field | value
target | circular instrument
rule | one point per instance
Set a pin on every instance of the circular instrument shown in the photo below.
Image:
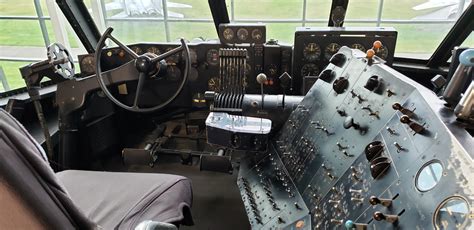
(212, 57)
(330, 50)
(242, 34)
(144, 65)
(257, 34)
(309, 69)
(228, 34)
(381, 52)
(154, 50)
(359, 47)
(62, 60)
(88, 64)
(173, 59)
(311, 52)
(213, 84)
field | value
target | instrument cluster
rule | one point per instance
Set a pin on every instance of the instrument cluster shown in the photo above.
(242, 33)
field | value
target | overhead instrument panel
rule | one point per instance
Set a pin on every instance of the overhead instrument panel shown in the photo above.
(367, 148)
(242, 33)
(314, 47)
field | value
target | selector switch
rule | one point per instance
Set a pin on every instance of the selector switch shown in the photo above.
(378, 166)
(417, 128)
(340, 85)
(338, 59)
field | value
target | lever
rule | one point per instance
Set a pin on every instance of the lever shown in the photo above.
(373, 200)
(417, 128)
(397, 106)
(261, 78)
(379, 216)
(349, 224)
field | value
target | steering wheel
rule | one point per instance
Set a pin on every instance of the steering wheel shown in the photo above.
(146, 65)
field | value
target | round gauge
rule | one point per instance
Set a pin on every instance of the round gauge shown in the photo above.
(154, 50)
(272, 69)
(192, 55)
(382, 52)
(173, 73)
(331, 49)
(173, 58)
(429, 176)
(88, 64)
(137, 50)
(193, 74)
(213, 84)
(311, 52)
(228, 34)
(248, 69)
(257, 34)
(309, 69)
(242, 34)
(212, 57)
(452, 213)
(359, 47)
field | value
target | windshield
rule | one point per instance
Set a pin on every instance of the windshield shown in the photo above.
(27, 26)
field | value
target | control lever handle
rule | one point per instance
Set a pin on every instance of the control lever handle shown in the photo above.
(261, 79)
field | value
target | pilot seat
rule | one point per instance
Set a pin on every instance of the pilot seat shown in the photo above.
(34, 197)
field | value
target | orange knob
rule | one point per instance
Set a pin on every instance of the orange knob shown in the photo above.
(377, 44)
(370, 53)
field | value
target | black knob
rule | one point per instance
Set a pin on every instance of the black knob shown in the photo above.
(397, 106)
(327, 75)
(373, 200)
(349, 122)
(373, 150)
(379, 216)
(378, 166)
(372, 83)
(338, 59)
(340, 85)
(417, 128)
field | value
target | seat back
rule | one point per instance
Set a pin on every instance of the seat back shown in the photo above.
(29, 187)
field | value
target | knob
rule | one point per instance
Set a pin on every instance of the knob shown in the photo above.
(349, 122)
(341, 112)
(372, 83)
(379, 216)
(373, 200)
(327, 75)
(340, 85)
(397, 106)
(338, 59)
(349, 224)
(417, 128)
(378, 166)
(373, 150)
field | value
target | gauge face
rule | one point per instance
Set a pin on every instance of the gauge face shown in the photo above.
(429, 176)
(309, 69)
(311, 52)
(228, 34)
(359, 47)
(213, 84)
(382, 52)
(173, 58)
(272, 69)
(173, 73)
(88, 64)
(154, 50)
(452, 213)
(137, 50)
(331, 49)
(257, 34)
(192, 55)
(242, 34)
(212, 57)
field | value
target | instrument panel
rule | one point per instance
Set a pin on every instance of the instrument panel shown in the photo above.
(367, 148)
(314, 47)
(233, 33)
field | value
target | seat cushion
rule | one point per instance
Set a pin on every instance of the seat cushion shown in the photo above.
(122, 200)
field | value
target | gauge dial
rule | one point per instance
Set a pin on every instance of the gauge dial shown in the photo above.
(257, 34)
(192, 55)
(452, 213)
(243, 34)
(137, 50)
(382, 52)
(173, 73)
(331, 49)
(228, 34)
(154, 50)
(272, 69)
(309, 69)
(311, 52)
(212, 57)
(359, 47)
(173, 59)
(88, 64)
(213, 84)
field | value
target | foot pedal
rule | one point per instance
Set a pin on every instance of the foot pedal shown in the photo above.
(132, 156)
(216, 163)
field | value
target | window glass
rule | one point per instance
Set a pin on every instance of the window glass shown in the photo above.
(197, 29)
(17, 8)
(420, 10)
(283, 32)
(138, 31)
(267, 9)
(20, 33)
(12, 73)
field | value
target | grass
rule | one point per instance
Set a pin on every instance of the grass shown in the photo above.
(412, 38)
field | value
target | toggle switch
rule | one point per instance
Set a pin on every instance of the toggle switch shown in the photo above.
(379, 216)
(350, 225)
(373, 200)
(341, 112)
(390, 93)
(391, 131)
(397, 106)
(349, 122)
(417, 128)
(340, 146)
(378, 166)
(399, 147)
